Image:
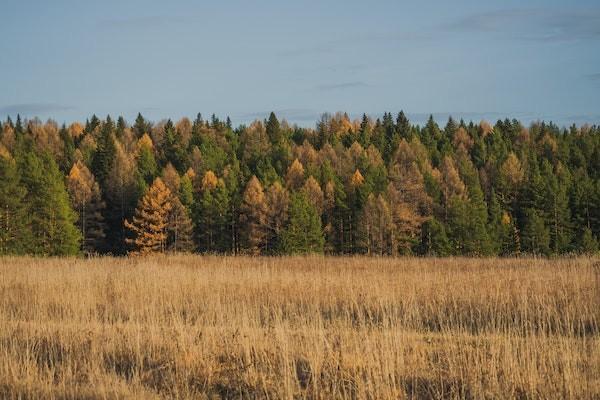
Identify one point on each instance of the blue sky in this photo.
(494, 59)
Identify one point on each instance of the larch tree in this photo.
(87, 202)
(150, 222)
(295, 175)
(377, 226)
(253, 217)
(314, 194)
(278, 199)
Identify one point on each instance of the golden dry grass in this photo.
(354, 328)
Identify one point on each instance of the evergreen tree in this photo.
(52, 219)
(434, 241)
(180, 229)
(303, 233)
(146, 163)
(105, 152)
(15, 232)
(587, 244)
(273, 129)
(535, 236)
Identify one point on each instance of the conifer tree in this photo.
(314, 194)
(105, 152)
(278, 199)
(294, 178)
(52, 218)
(303, 233)
(15, 232)
(150, 222)
(146, 162)
(212, 214)
(434, 240)
(253, 217)
(180, 230)
(87, 202)
(535, 236)
(377, 226)
(273, 129)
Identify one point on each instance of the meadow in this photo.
(299, 328)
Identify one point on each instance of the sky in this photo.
(475, 60)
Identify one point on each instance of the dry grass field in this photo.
(286, 328)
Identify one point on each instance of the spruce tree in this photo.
(15, 230)
(52, 219)
(303, 233)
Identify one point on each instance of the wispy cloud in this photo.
(31, 109)
(534, 24)
(339, 86)
(593, 77)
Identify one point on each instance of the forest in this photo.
(373, 186)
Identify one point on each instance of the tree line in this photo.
(378, 186)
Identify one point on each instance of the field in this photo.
(323, 328)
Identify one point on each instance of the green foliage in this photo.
(52, 218)
(467, 189)
(15, 228)
(303, 233)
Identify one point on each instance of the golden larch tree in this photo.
(253, 216)
(150, 222)
(295, 175)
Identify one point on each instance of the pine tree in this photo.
(303, 233)
(150, 222)
(253, 217)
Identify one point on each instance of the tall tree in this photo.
(150, 222)
(87, 202)
(253, 217)
(303, 233)
(15, 232)
(52, 218)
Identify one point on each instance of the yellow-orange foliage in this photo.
(149, 226)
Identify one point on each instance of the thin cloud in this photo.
(535, 24)
(593, 77)
(34, 108)
(339, 86)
